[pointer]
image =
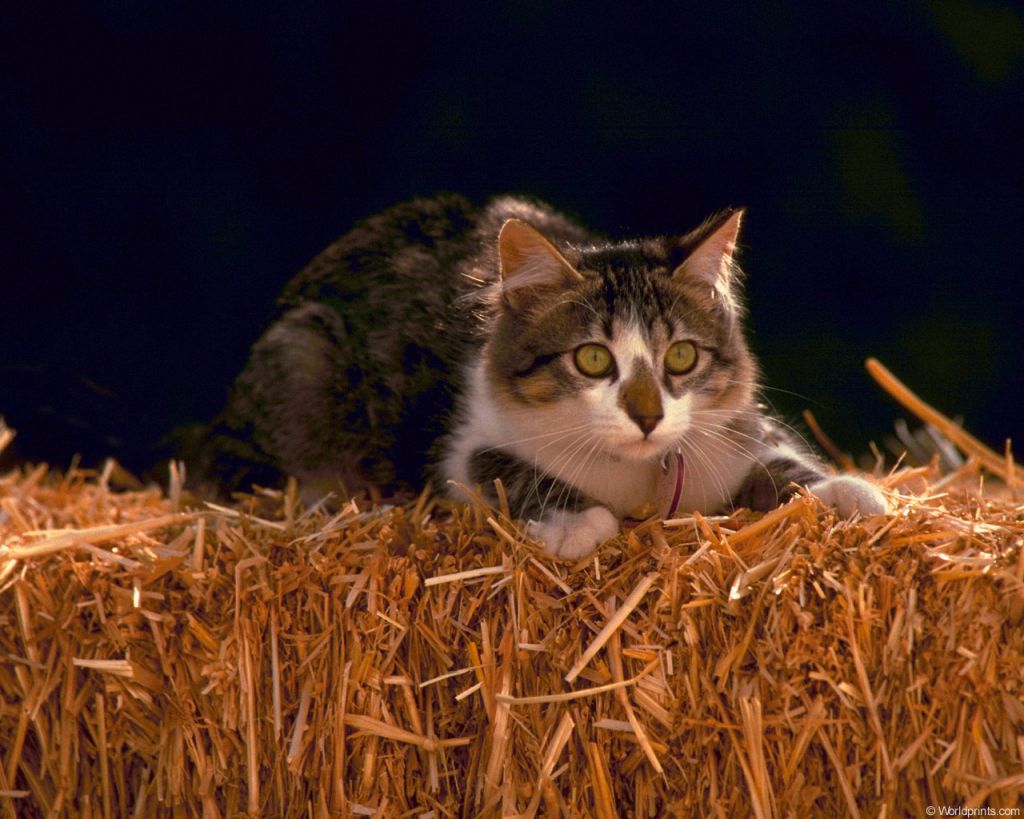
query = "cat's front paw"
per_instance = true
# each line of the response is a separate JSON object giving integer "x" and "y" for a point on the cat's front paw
{"x": 849, "y": 494}
{"x": 574, "y": 534}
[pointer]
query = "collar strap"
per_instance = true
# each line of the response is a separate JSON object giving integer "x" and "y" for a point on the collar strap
{"x": 677, "y": 490}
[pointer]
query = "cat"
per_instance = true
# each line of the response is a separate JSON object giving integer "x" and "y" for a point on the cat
{"x": 460, "y": 344}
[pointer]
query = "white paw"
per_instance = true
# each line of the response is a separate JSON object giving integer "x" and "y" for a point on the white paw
{"x": 850, "y": 494}
{"x": 574, "y": 534}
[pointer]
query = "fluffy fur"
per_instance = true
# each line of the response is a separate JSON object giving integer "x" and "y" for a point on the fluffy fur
{"x": 440, "y": 340}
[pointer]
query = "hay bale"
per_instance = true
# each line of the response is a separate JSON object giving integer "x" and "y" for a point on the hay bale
{"x": 421, "y": 659}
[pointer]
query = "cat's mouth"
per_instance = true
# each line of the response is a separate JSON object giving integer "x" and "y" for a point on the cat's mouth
{"x": 642, "y": 450}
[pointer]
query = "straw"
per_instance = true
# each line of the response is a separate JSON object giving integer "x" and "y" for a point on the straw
{"x": 419, "y": 658}
{"x": 1001, "y": 465}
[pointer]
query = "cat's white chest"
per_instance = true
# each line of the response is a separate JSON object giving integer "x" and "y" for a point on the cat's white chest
{"x": 712, "y": 478}
{"x": 623, "y": 486}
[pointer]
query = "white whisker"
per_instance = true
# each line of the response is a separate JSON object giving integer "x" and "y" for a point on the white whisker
{"x": 562, "y": 461}
{"x": 539, "y": 436}
{"x": 739, "y": 448}
{"x": 692, "y": 449}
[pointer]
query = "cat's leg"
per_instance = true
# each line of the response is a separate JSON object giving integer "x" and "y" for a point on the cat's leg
{"x": 561, "y": 518}
{"x": 301, "y": 408}
{"x": 774, "y": 481}
{"x": 575, "y": 534}
{"x": 849, "y": 494}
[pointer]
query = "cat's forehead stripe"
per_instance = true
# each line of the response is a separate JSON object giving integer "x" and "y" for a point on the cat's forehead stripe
{"x": 631, "y": 347}
{"x": 638, "y": 293}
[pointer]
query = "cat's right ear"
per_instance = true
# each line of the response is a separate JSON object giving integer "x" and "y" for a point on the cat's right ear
{"x": 530, "y": 265}
{"x": 710, "y": 251}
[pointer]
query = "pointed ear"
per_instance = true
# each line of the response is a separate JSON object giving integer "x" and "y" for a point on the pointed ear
{"x": 529, "y": 264}
{"x": 711, "y": 249}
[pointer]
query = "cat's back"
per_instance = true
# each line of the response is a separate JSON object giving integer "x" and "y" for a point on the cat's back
{"x": 444, "y": 242}
{"x": 413, "y": 245}
{"x": 409, "y": 273}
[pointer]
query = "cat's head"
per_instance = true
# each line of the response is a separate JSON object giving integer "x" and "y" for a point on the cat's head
{"x": 631, "y": 343}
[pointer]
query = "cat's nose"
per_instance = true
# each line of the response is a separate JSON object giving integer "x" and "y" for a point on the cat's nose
{"x": 640, "y": 397}
{"x": 647, "y": 423}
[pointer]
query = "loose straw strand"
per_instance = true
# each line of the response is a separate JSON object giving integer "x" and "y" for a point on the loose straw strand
{"x": 1001, "y": 465}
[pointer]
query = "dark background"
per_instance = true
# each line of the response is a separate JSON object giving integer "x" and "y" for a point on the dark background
{"x": 165, "y": 168}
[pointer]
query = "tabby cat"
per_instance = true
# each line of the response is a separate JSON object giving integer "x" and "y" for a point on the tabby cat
{"x": 597, "y": 379}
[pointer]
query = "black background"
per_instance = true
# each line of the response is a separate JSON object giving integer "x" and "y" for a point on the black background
{"x": 165, "y": 168}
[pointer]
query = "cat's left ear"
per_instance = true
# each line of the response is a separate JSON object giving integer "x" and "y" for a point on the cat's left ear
{"x": 530, "y": 265}
{"x": 711, "y": 248}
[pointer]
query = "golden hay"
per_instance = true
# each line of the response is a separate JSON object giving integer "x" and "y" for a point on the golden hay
{"x": 422, "y": 660}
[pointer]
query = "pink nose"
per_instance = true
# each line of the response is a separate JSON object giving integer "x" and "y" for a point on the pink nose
{"x": 647, "y": 423}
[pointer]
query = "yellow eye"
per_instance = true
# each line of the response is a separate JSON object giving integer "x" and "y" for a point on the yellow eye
{"x": 681, "y": 357}
{"x": 594, "y": 360}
